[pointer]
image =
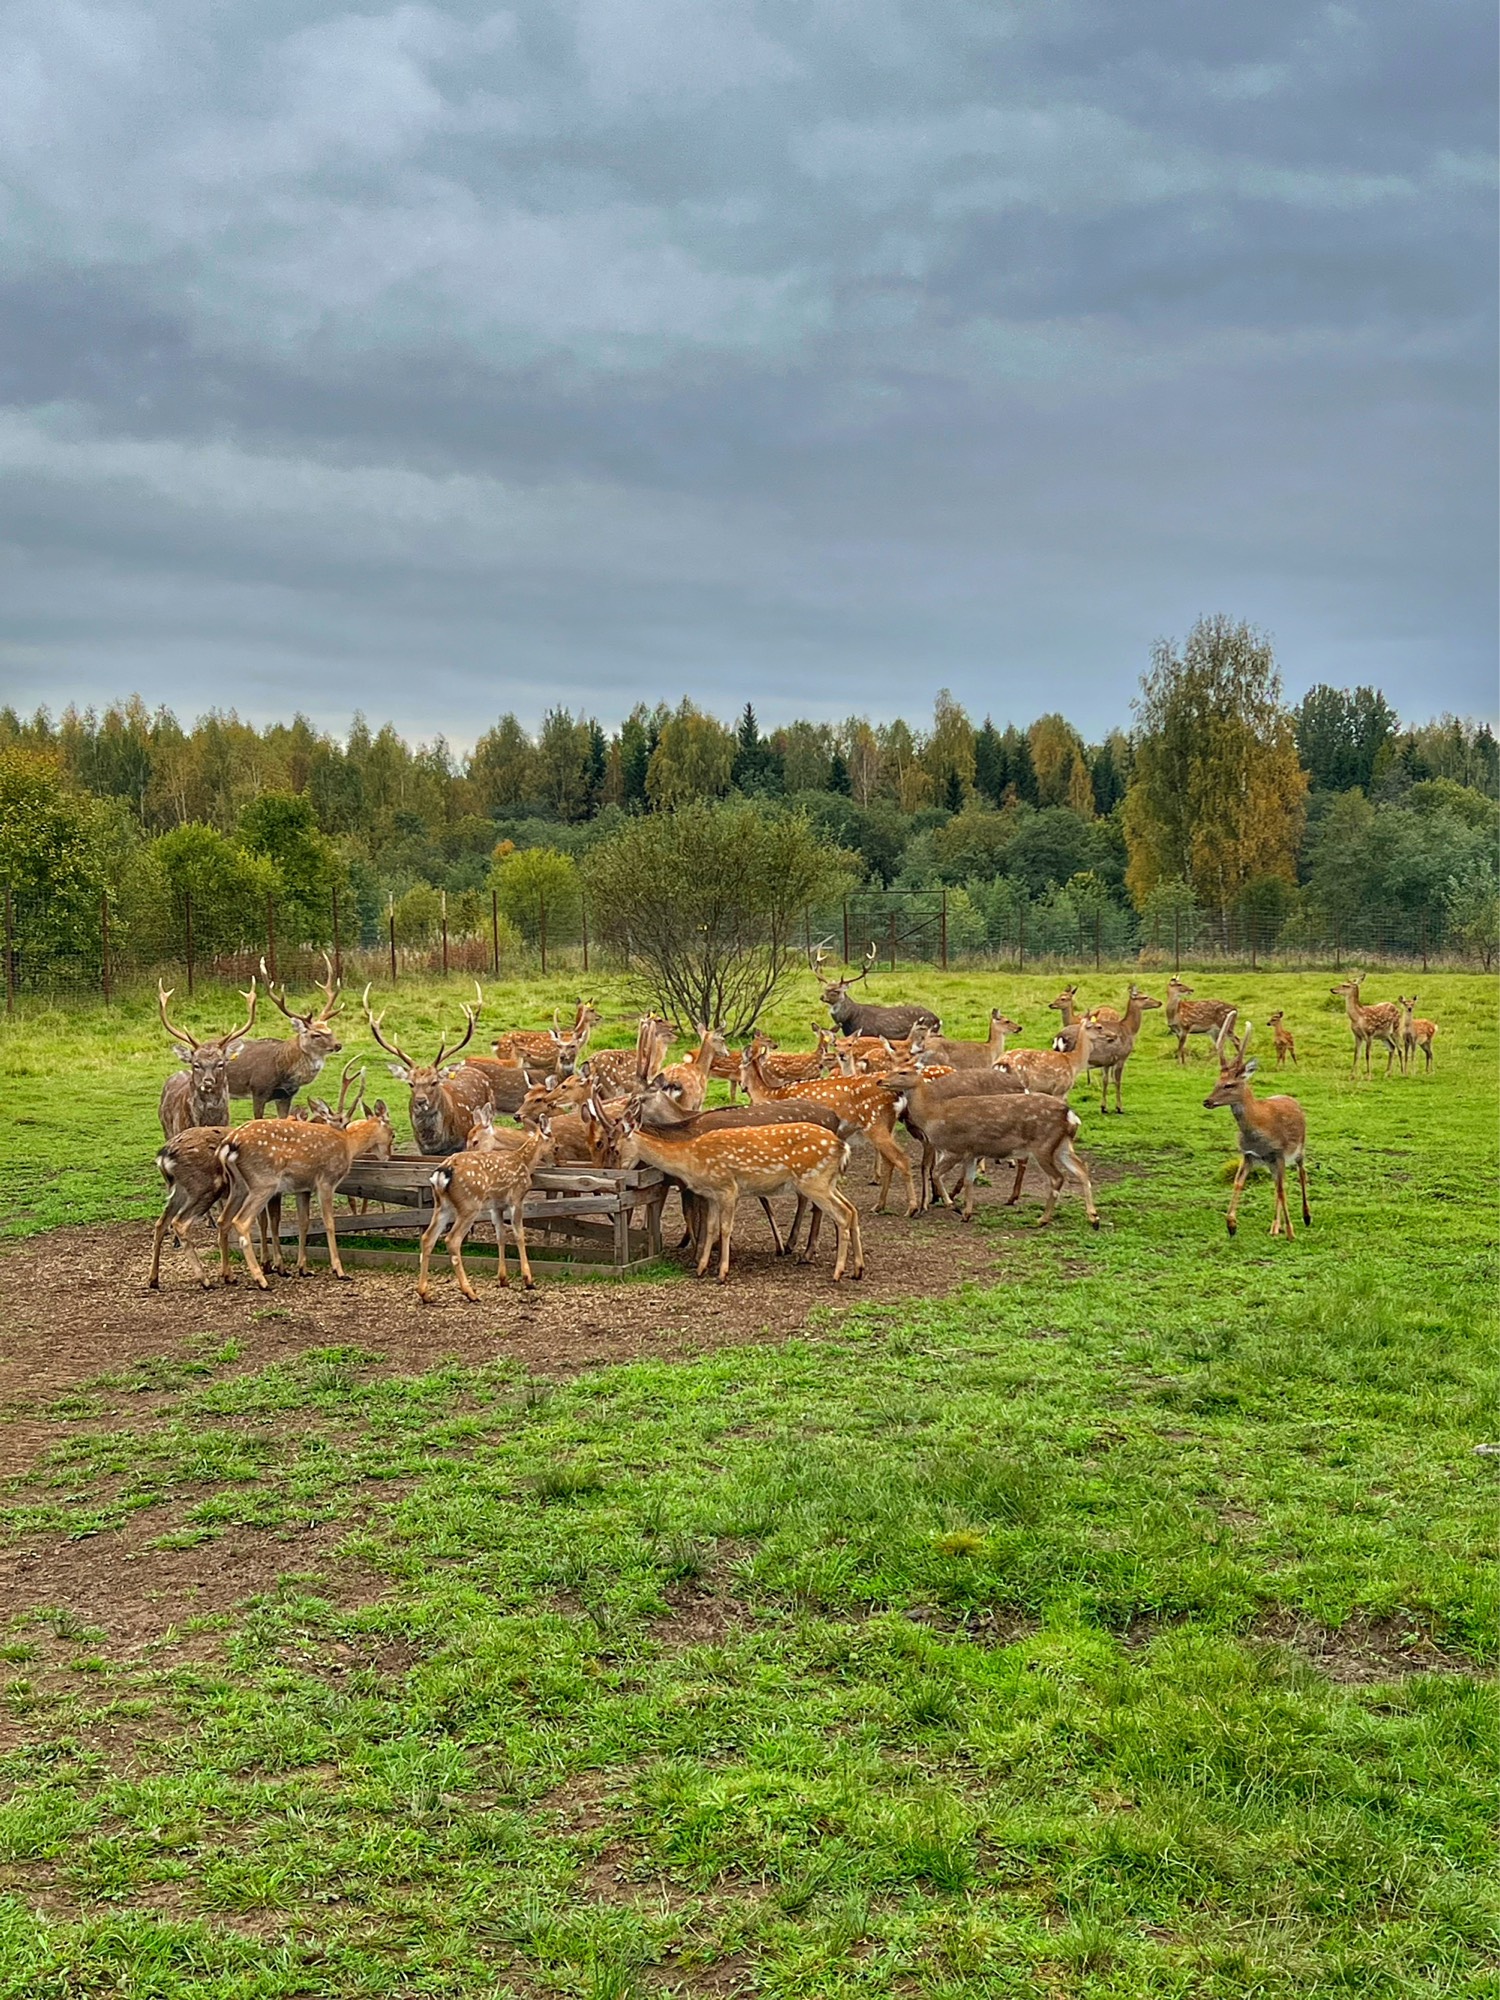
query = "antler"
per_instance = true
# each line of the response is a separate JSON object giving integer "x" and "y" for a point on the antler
{"x": 471, "y": 1015}
{"x": 250, "y": 998}
{"x": 163, "y": 995}
{"x": 864, "y": 970}
{"x": 373, "y": 1021}
{"x": 280, "y": 998}
{"x": 817, "y": 958}
{"x": 329, "y": 989}
{"x": 352, "y": 1069}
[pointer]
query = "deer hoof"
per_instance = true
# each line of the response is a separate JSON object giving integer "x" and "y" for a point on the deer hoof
{"x": 1230, "y": 1224}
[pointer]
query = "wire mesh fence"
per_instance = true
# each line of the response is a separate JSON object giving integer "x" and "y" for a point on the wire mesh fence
{"x": 56, "y": 953}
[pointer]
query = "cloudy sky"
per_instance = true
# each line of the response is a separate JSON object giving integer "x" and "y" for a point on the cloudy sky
{"x": 434, "y": 360}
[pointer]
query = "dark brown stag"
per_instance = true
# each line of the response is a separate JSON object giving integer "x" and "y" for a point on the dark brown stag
{"x": 271, "y": 1071}
{"x": 445, "y": 1095}
{"x": 854, "y": 1017}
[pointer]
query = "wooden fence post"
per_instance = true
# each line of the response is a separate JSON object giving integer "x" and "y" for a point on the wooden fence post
{"x": 338, "y": 949}
{"x": 10, "y": 953}
{"x": 104, "y": 945}
{"x": 495, "y": 930}
{"x": 187, "y": 929}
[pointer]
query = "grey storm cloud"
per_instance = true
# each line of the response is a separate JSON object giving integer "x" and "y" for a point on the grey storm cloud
{"x": 433, "y": 360}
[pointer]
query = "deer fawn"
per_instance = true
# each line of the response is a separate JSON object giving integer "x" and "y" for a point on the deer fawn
{"x": 1415, "y": 1034}
{"x": 762, "y": 1160}
{"x": 473, "y": 1185}
{"x": 1186, "y": 1016}
{"x": 1379, "y": 1022}
{"x": 268, "y": 1071}
{"x": 1286, "y": 1045}
{"x": 1272, "y": 1132}
{"x": 271, "y": 1157}
{"x": 199, "y": 1094}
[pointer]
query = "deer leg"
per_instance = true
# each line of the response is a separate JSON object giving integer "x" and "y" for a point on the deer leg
{"x": 1015, "y": 1192}
{"x": 304, "y": 1220}
{"x": 442, "y": 1216}
{"x": 724, "y": 1209}
{"x": 1302, "y": 1178}
{"x": 1390, "y": 1057}
{"x": 1070, "y": 1163}
{"x": 270, "y": 1236}
{"x": 1242, "y": 1174}
{"x": 167, "y": 1216}
{"x": 518, "y": 1227}
{"x": 845, "y": 1218}
{"x": 325, "y": 1204}
{"x": 1278, "y": 1199}
{"x": 776, "y": 1237}
{"x": 243, "y": 1217}
{"x": 814, "y": 1232}
{"x": 457, "y": 1231}
{"x": 1054, "y": 1188}
{"x": 708, "y": 1221}
{"x": 895, "y": 1154}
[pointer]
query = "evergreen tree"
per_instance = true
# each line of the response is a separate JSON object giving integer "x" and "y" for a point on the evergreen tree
{"x": 990, "y": 763}
{"x": 838, "y": 774}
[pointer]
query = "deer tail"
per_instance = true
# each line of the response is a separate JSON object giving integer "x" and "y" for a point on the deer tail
{"x": 442, "y": 1180}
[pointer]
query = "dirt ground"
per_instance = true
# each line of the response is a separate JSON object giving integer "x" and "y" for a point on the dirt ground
{"x": 74, "y": 1303}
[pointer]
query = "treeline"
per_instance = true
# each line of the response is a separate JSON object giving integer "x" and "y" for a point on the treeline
{"x": 1220, "y": 799}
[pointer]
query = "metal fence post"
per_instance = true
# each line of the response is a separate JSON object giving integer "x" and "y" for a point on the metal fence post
{"x": 583, "y": 918}
{"x": 541, "y": 924}
{"x": 1177, "y": 940}
{"x": 104, "y": 945}
{"x": 1021, "y": 939}
{"x": 1424, "y": 937}
{"x": 10, "y": 953}
{"x": 271, "y": 934}
{"x": 1338, "y": 948}
{"x": 943, "y": 933}
{"x": 391, "y": 919}
{"x": 338, "y": 949}
{"x": 445, "y": 934}
{"x": 1096, "y": 940}
{"x": 846, "y": 932}
{"x": 891, "y": 940}
{"x": 495, "y": 929}
{"x": 187, "y": 934}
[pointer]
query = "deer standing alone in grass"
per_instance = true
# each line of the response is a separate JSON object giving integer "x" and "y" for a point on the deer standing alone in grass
{"x": 763, "y": 1160}
{"x": 1187, "y": 1016}
{"x": 271, "y": 1157}
{"x": 1415, "y": 1033}
{"x": 199, "y": 1094}
{"x": 854, "y": 1017}
{"x": 472, "y": 1185}
{"x": 1285, "y": 1041}
{"x": 1379, "y": 1022}
{"x": 1272, "y": 1132}
{"x": 272, "y": 1071}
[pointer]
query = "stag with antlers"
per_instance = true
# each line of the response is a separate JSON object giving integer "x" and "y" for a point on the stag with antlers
{"x": 854, "y": 1017}
{"x": 445, "y": 1095}
{"x": 1272, "y": 1131}
{"x": 199, "y": 1093}
{"x": 271, "y": 1071}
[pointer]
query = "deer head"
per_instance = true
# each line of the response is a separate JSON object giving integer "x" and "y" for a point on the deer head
{"x": 207, "y": 1061}
{"x": 315, "y": 1035}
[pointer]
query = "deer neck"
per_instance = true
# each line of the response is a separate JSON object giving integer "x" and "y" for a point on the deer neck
{"x": 1130, "y": 1020}
{"x": 1065, "y": 1008}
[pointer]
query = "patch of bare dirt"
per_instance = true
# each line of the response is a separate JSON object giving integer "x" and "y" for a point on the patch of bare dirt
{"x": 74, "y": 1304}
{"x": 136, "y": 1593}
{"x": 1361, "y": 1651}
{"x": 699, "y": 1617}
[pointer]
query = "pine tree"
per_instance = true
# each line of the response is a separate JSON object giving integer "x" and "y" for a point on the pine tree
{"x": 990, "y": 763}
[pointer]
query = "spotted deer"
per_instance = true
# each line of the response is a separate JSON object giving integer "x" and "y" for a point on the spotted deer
{"x": 858, "y": 1100}
{"x": 1187, "y": 1016}
{"x": 554, "y": 1050}
{"x": 1052, "y": 1071}
{"x": 199, "y": 1093}
{"x": 1272, "y": 1132}
{"x": 1378, "y": 1022}
{"x": 1112, "y": 1043}
{"x": 1066, "y": 1004}
{"x": 271, "y": 1157}
{"x": 927, "y": 1046}
{"x": 966, "y": 1127}
{"x": 721, "y": 1166}
{"x": 692, "y": 1076}
{"x": 472, "y": 1185}
{"x": 920, "y": 1089}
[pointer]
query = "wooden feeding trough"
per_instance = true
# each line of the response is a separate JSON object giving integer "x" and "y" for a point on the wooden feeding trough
{"x": 598, "y": 1219}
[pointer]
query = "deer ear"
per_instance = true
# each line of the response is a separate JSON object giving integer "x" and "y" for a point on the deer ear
{"x": 234, "y": 1048}
{"x": 399, "y": 1069}
{"x": 1252, "y": 1066}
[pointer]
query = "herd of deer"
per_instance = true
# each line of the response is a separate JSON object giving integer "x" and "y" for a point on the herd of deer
{"x": 965, "y": 1103}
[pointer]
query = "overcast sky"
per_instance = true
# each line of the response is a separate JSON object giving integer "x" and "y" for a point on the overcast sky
{"x": 434, "y": 360}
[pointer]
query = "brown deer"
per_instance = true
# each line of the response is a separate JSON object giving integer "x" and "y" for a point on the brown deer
{"x": 1415, "y": 1034}
{"x": 692, "y": 1076}
{"x": 1054, "y": 1071}
{"x": 271, "y": 1157}
{"x": 659, "y": 1110}
{"x": 784, "y": 1066}
{"x": 1379, "y": 1022}
{"x": 1272, "y": 1132}
{"x": 1112, "y": 1043}
{"x": 444, "y": 1094}
{"x": 852, "y": 1017}
{"x": 614, "y": 1071}
{"x": 763, "y": 1160}
{"x": 1186, "y": 1016}
{"x": 199, "y": 1094}
{"x": 927, "y": 1046}
{"x": 473, "y": 1185}
{"x": 858, "y": 1100}
{"x": 966, "y": 1127}
{"x": 914, "y": 1091}
{"x": 872, "y": 1055}
{"x": 1286, "y": 1046}
{"x": 551, "y": 1050}
{"x": 270, "y": 1071}
{"x": 1066, "y": 1004}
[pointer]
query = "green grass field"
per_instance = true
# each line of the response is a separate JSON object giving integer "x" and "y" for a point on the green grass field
{"x": 1122, "y": 1628}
